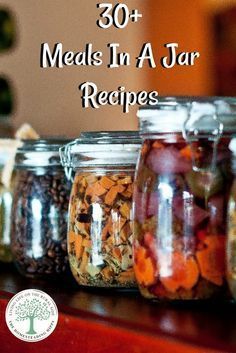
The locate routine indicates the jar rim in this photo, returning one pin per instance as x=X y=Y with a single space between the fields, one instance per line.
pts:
x=109 y=137
x=171 y=113
x=102 y=148
x=43 y=145
x=173 y=101
x=39 y=153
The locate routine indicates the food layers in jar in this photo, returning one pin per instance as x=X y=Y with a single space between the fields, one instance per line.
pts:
x=39 y=222
x=231 y=242
x=180 y=219
x=101 y=230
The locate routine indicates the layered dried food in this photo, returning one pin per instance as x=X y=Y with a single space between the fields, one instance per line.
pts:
x=180 y=219
x=101 y=230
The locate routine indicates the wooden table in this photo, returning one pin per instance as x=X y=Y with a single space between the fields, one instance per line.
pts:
x=108 y=321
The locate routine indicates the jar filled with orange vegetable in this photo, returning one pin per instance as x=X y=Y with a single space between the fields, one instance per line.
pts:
x=100 y=231
x=181 y=192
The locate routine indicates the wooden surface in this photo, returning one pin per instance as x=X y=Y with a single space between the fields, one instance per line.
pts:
x=120 y=321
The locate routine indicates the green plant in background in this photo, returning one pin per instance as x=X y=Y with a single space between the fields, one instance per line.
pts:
x=31 y=310
x=7 y=30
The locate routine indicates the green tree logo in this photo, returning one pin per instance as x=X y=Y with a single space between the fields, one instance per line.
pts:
x=31 y=310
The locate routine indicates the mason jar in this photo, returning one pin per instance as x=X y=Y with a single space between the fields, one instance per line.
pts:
x=40 y=210
x=100 y=231
x=181 y=192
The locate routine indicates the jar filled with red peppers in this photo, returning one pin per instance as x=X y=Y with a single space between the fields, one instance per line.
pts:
x=181 y=193
x=100 y=231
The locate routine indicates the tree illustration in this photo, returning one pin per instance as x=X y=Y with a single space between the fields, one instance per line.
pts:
x=31 y=309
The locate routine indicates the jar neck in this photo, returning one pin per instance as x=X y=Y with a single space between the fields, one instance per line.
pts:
x=103 y=169
x=177 y=137
x=39 y=170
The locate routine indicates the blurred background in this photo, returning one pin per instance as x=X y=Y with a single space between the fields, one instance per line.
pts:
x=49 y=99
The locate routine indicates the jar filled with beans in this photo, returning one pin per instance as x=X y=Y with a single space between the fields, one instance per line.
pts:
x=100 y=231
x=40 y=210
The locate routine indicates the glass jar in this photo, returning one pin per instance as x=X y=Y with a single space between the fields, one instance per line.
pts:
x=40 y=210
x=100 y=228
x=231 y=241
x=180 y=200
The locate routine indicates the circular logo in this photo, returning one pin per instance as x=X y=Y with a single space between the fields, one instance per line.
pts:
x=31 y=315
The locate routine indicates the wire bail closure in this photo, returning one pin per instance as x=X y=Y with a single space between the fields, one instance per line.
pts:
x=66 y=158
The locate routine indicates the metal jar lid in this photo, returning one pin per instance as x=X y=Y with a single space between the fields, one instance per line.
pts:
x=116 y=148
x=39 y=153
x=171 y=114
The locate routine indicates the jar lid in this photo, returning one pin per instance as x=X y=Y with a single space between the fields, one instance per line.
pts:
x=113 y=137
x=171 y=114
x=39 y=153
x=115 y=148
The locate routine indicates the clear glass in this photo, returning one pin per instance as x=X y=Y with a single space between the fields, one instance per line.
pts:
x=231 y=243
x=100 y=229
x=180 y=218
x=39 y=221
x=5 y=222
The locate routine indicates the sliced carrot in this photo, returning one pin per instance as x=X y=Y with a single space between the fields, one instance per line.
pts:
x=144 y=268
x=192 y=274
x=186 y=152
x=184 y=272
x=98 y=189
x=111 y=195
x=106 y=182
x=170 y=284
x=75 y=244
x=95 y=190
x=78 y=246
x=211 y=259
x=120 y=188
x=157 y=144
x=71 y=236
x=125 y=210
